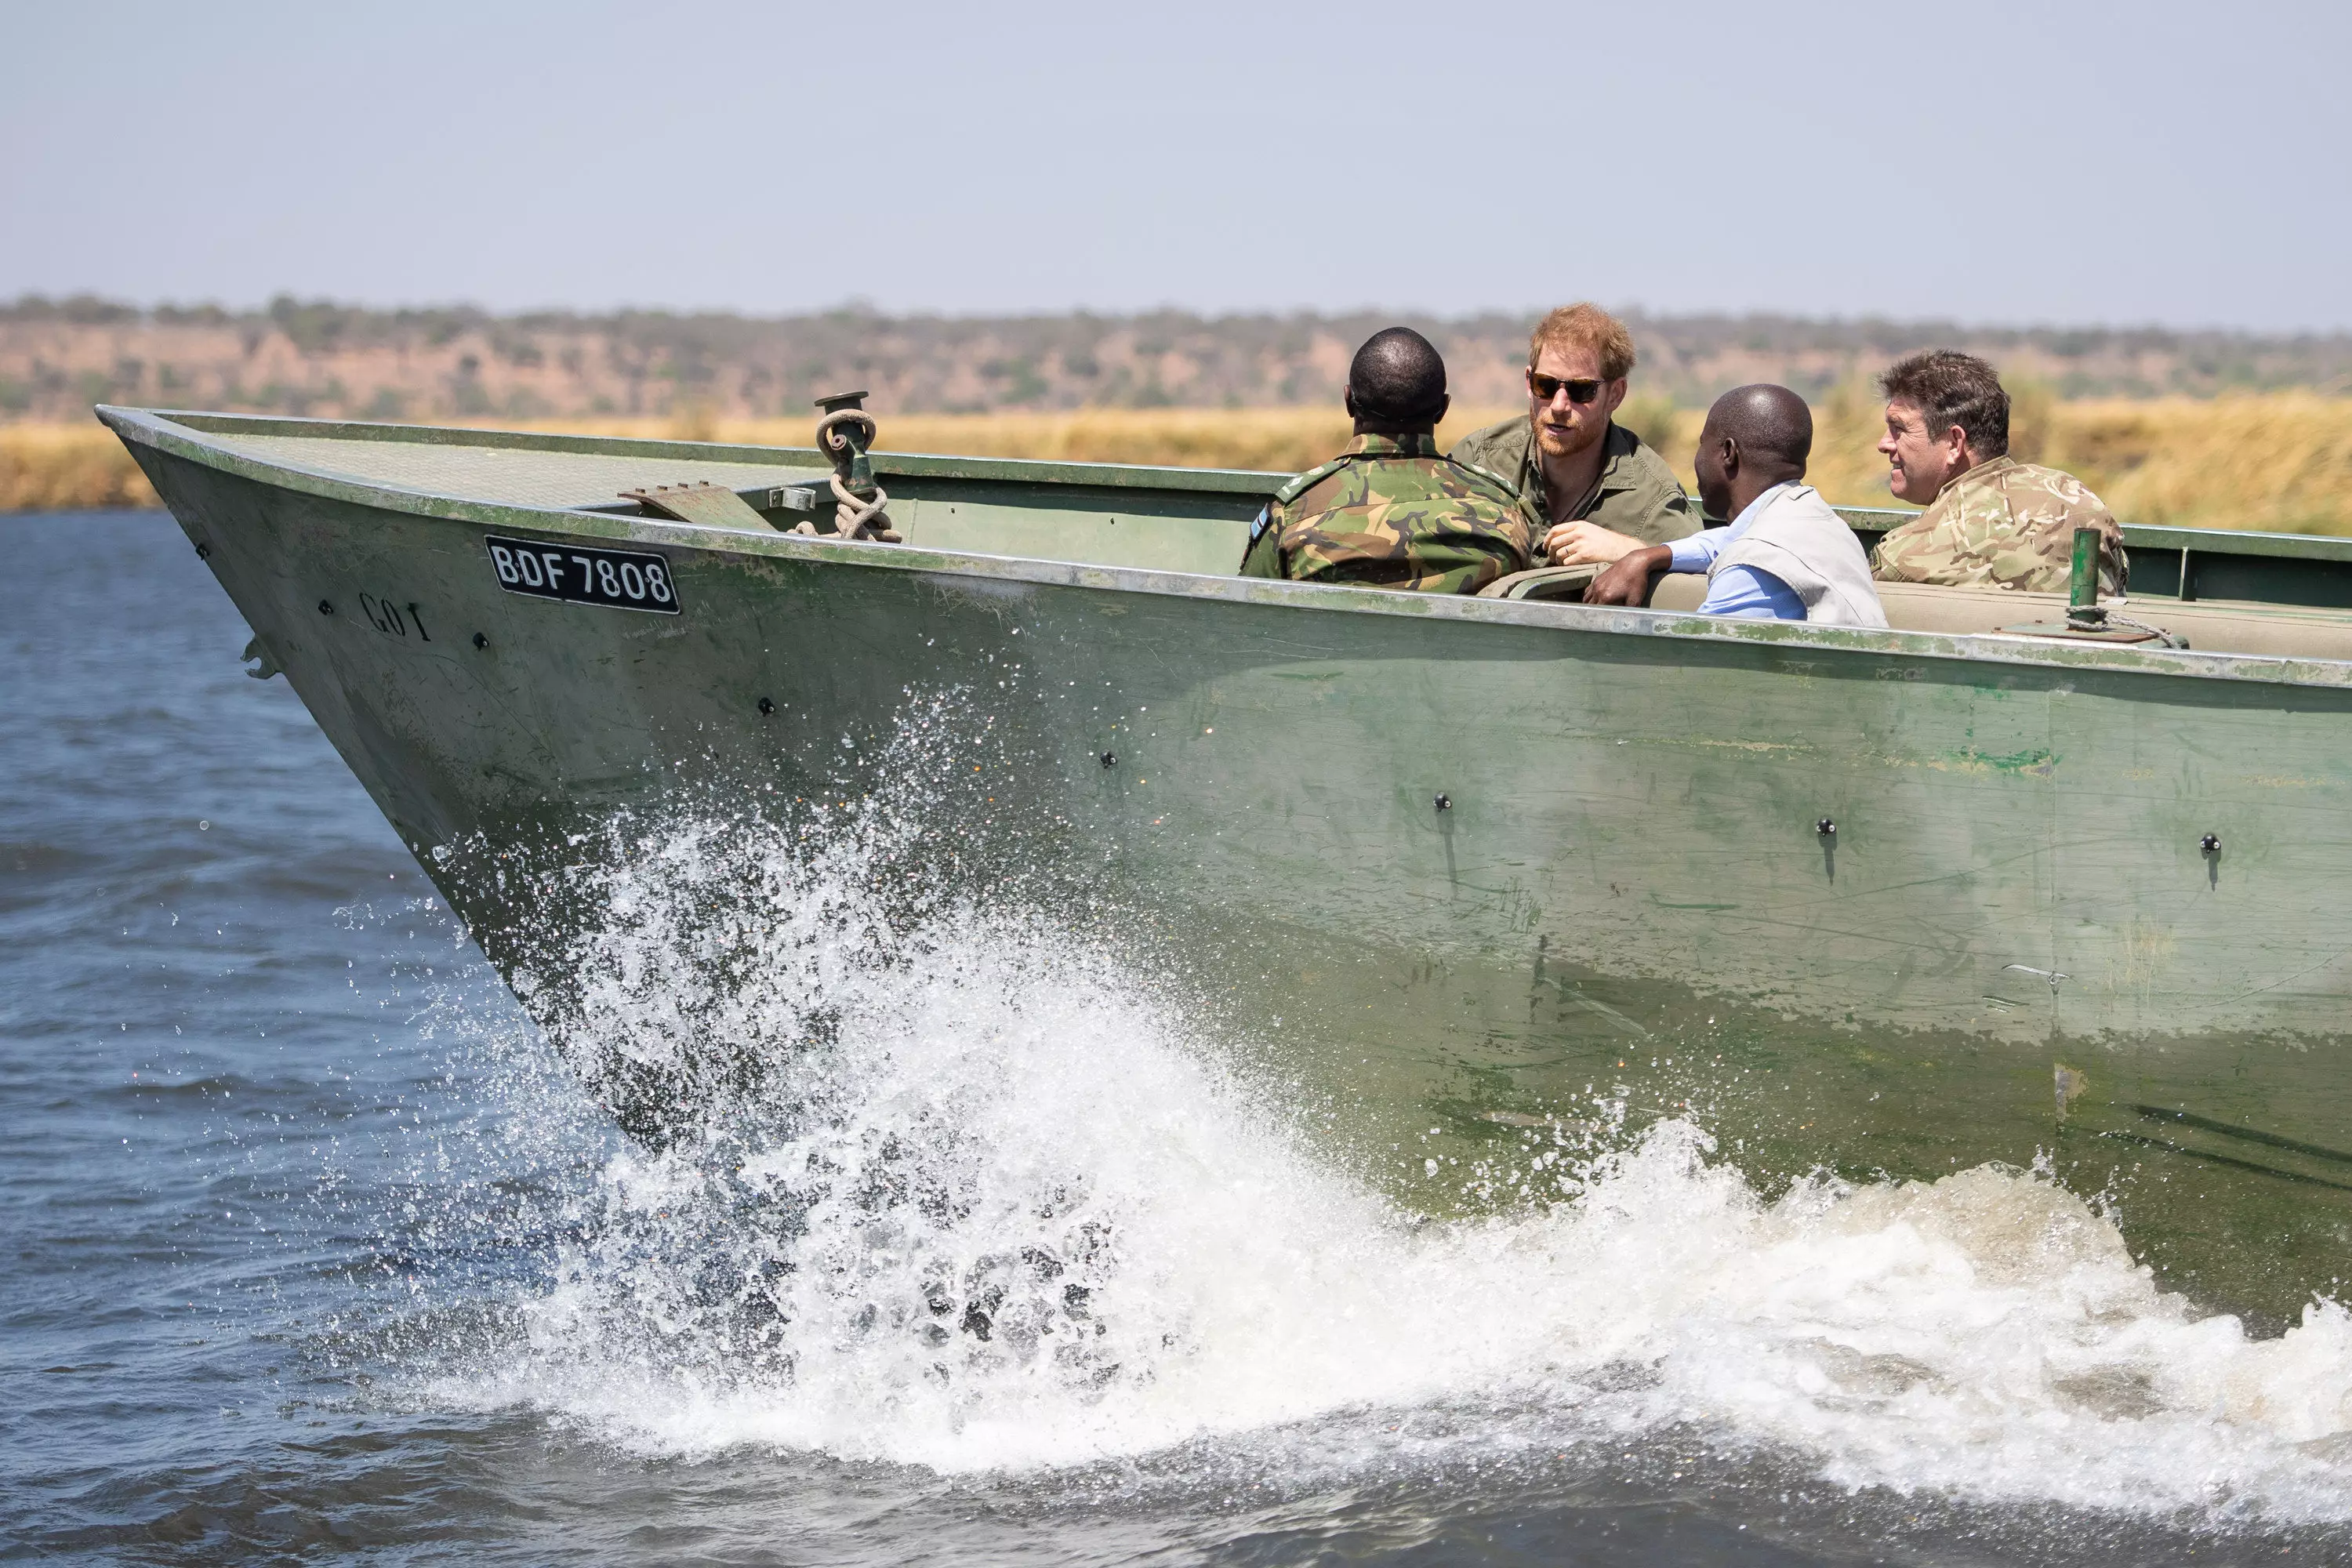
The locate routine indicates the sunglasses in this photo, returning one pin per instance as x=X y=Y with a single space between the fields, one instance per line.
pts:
x=1546 y=387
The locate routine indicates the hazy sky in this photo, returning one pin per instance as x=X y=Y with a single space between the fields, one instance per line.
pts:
x=1986 y=159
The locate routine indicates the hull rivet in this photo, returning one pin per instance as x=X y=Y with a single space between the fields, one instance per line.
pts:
x=766 y=706
x=1446 y=803
x=1825 y=827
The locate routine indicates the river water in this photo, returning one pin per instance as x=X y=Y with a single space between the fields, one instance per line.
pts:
x=314 y=1250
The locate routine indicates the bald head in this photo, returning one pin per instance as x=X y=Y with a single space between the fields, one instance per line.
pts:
x=1396 y=383
x=1756 y=436
x=1770 y=423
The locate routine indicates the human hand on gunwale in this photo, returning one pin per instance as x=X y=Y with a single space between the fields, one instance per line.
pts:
x=1632 y=579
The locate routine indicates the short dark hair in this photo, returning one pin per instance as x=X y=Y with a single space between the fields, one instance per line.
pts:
x=1953 y=388
x=1397 y=379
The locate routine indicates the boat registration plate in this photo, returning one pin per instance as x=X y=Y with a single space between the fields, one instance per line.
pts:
x=582 y=575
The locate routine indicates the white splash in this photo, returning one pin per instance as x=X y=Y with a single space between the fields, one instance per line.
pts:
x=1020 y=1217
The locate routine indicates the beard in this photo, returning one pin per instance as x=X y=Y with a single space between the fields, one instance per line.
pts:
x=1554 y=441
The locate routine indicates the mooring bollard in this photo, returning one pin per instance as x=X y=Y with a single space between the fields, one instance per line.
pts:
x=846 y=434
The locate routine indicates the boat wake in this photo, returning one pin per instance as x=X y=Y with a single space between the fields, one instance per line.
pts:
x=1006 y=1209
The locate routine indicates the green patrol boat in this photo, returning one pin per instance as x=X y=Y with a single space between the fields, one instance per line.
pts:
x=1486 y=871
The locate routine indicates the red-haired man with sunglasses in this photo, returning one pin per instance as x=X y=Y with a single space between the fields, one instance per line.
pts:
x=1602 y=492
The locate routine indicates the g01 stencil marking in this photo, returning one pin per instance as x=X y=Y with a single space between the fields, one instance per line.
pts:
x=385 y=617
x=582 y=575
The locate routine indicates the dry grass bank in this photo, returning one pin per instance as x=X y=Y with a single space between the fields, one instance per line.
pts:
x=67 y=467
x=1282 y=440
x=2278 y=461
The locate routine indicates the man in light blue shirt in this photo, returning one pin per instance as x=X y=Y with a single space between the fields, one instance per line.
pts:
x=1748 y=591
x=1786 y=556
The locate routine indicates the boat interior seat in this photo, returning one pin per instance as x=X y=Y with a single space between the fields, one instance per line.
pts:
x=1541 y=583
x=2212 y=625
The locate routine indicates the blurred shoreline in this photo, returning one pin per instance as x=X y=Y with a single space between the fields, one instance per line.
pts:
x=459 y=364
x=2276 y=461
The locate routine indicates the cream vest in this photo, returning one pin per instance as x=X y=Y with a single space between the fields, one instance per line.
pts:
x=1801 y=541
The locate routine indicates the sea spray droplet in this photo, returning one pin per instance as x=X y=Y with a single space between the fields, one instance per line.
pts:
x=995 y=1204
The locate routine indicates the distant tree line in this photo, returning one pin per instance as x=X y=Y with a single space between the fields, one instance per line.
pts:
x=57 y=356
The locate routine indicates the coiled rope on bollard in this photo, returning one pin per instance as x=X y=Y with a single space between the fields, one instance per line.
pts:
x=852 y=518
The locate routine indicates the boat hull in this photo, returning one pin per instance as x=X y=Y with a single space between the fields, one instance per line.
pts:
x=1882 y=905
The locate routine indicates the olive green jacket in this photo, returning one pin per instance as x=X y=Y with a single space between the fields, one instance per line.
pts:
x=1637 y=493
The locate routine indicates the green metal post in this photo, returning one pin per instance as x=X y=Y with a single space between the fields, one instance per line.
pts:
x=2083 y=611
x=2083 y=586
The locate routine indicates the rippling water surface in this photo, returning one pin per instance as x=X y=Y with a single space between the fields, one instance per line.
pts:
x=314 y=1250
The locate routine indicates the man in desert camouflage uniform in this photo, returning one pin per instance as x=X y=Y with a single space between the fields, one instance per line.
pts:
x=1390 y=511
x=1991 y=522
x=1598 y=492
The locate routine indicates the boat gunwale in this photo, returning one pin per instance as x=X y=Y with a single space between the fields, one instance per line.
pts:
x=912 y=464
x=1056 y=471
x=164 y=431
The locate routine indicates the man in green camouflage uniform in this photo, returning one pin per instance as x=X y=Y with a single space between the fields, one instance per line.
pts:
x=1990 y=520
x=1391 y=512
x=1597 y=490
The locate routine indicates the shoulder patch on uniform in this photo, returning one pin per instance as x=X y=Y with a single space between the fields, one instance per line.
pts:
x=1489 y=475
x=1258 y=527
x=1298 y=486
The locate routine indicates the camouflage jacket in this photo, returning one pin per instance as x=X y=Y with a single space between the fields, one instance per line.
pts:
x=1637 y=494
x=1391 y=512
x=2003 y=524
